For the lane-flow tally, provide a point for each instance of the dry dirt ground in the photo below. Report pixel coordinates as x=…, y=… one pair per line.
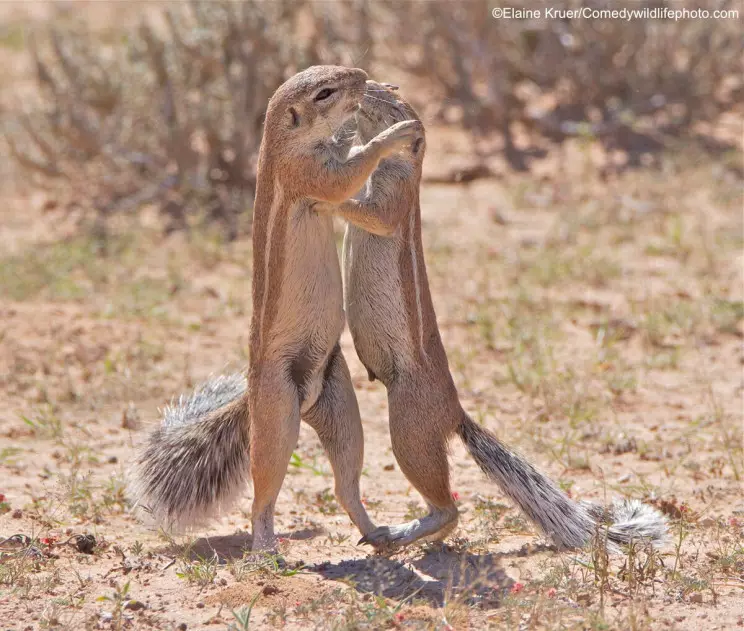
x=594, y=324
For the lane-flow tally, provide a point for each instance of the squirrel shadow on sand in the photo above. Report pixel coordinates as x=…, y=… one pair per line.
x=234, y=546
x=440, y=574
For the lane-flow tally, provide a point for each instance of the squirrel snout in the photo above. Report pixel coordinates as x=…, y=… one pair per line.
x=376, y=84
x=358, y=75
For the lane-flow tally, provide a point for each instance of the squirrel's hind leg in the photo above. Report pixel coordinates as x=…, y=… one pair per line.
x=419, y=437
x=335, y=417
x=275, y=427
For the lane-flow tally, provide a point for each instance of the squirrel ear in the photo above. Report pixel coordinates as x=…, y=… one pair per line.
x=295, y=117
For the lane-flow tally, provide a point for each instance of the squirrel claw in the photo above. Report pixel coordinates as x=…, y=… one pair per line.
x=382, y=539
x=381, y=548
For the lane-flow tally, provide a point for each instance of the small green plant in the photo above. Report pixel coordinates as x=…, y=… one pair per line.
x=326, y=502
x=50, y=617
x=489, y=514
x=299, y=463
x=516, y=524
x=414, y=510
x=12, y=36
x=114, y=493
x=117, y=599
x=263, y=564
x=683, y=531
x=77, y=493
x=8, y=455
x=45, y=423
x=727, y=315
x=379, y=613
x=201, y=571
x=137, y=548
x=4, y=505
x=243, y=616
x=337, y=539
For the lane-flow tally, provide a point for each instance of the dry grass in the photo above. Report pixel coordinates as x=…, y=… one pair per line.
x=603, y=341
x=593, y=320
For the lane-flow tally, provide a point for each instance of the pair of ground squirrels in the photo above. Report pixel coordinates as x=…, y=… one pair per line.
x=330, y=134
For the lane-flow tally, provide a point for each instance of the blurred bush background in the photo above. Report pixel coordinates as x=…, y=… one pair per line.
x=167, y=108
x=582, y=225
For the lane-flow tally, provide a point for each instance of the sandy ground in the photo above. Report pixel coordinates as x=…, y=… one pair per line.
x=594, y=324
x=89, y=353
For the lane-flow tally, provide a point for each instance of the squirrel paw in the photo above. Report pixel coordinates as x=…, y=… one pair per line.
x=387, y=539
x=433, y=527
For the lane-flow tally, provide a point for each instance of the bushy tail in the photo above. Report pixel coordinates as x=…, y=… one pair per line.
x=196, y=463
x=567, y=523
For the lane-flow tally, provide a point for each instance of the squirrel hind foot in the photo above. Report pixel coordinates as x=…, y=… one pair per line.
x=435, y=526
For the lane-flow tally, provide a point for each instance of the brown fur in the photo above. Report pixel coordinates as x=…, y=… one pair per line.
x=392, y=320
x=195, y=463
x=297, y=295
x=187, y=470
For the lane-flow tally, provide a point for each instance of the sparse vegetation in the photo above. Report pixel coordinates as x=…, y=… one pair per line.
x=167, y=115
x=169, y=112
x=593, y=316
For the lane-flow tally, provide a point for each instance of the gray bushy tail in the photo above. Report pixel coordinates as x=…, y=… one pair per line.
x=196, y=464
x=567, y=523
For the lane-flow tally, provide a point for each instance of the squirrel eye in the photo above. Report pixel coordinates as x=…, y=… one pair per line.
x=324, y=94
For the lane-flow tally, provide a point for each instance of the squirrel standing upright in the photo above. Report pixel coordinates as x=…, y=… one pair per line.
x=393, y=324
x=392, y=321
x=198, y=461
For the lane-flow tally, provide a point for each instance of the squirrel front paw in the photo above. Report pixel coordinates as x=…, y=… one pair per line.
x=399, y=136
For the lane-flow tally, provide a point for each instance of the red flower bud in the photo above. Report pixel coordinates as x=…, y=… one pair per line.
x=516, y=588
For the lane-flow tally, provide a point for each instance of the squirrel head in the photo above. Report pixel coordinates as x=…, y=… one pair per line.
x=382, y=107
x=313, y=105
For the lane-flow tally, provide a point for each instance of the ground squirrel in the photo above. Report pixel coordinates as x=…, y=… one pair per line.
x=393, y=324
x=392, y=321
x=198, y=461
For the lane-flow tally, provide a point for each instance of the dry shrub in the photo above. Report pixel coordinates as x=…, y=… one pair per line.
x=170, y=114
x=620, y=81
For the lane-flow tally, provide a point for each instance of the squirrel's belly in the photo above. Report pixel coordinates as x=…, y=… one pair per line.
x=375, y=304
x=311, y=294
